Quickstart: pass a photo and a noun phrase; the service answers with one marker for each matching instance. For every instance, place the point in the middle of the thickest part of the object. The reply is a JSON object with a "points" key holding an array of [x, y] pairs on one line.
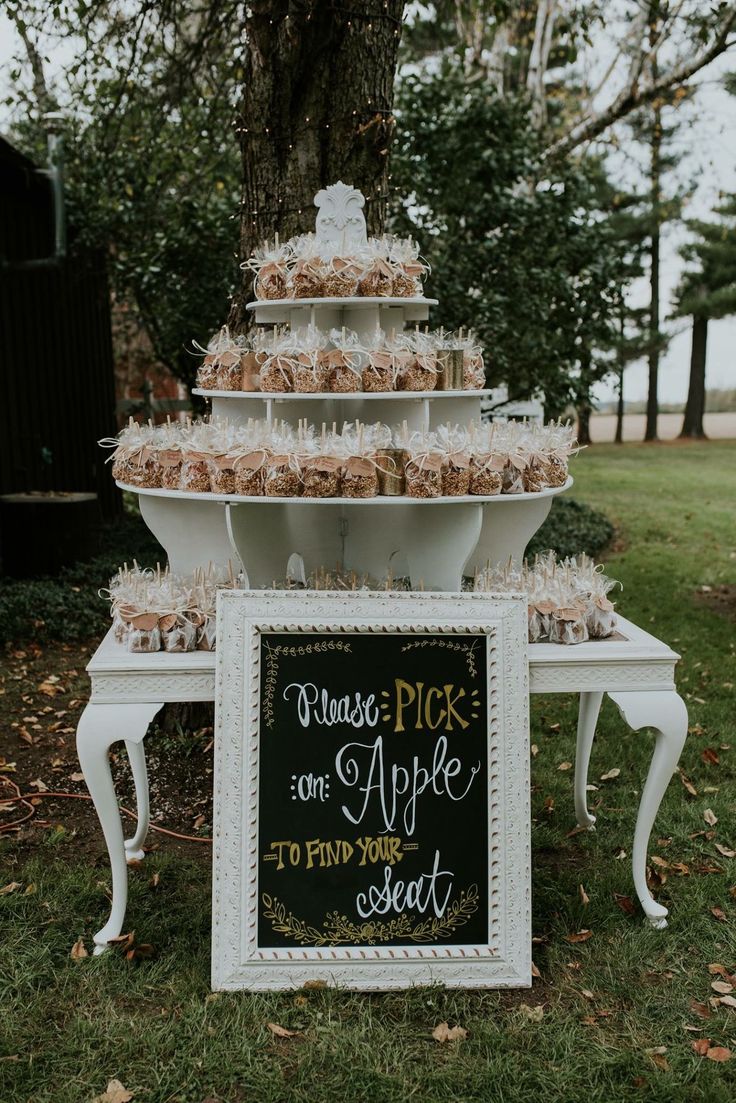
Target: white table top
{"points": [[632, 660]]}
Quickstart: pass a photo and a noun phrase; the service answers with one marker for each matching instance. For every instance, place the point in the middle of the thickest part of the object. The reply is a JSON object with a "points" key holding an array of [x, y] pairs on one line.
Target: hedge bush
{"points": [[67, 607], [571, 528]]}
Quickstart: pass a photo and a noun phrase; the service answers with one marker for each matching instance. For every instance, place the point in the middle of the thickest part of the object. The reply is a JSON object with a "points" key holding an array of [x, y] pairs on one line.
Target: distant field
{"points": [[603, 426]]}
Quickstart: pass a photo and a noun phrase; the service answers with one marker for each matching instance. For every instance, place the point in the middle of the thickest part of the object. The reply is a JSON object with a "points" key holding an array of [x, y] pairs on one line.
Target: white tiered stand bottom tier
{"points": [[433, 541]]}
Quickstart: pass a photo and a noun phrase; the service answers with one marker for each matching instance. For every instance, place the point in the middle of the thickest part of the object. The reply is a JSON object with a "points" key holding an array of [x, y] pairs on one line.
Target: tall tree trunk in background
{"points": [[692, 423], [584, 413], [619, 438], [655, 171], [317, 100]]}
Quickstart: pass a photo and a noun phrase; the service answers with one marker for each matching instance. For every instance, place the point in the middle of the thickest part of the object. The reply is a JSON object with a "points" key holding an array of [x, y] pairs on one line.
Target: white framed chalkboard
{"points": [[372, 824]]}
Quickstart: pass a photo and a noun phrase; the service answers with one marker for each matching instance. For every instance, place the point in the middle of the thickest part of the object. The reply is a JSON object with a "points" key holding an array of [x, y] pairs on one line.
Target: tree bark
{"points": [[619, 438], [655, 200], [692, 423], [317, 108], [584, 413]]}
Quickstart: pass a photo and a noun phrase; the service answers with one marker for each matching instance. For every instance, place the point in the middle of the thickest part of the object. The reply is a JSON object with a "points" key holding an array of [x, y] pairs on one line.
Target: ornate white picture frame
{"points": [[248, 766]]}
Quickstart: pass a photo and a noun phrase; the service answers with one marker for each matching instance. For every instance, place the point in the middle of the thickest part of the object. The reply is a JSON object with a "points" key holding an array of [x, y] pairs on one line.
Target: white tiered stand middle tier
{"points": [[433, 541]]}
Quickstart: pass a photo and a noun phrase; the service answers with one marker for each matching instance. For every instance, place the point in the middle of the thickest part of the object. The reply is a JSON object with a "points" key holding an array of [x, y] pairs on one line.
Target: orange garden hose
{"points": [[28, 798]]}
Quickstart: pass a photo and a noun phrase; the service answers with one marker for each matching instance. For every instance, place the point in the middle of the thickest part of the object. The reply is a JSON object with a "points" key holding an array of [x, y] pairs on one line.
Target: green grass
{"points": [[67, 1027]]}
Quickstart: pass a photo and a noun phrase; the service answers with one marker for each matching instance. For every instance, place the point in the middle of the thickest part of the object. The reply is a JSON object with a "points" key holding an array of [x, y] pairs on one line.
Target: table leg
{"points": [[99, 727], [590, 705], [134, 851], [665, 711]]}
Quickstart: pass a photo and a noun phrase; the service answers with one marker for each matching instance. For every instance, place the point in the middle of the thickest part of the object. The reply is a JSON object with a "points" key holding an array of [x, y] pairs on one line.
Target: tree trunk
{"points": [[317, 108], [584, 413], [692, 423], [655, 199], [619, 438]]}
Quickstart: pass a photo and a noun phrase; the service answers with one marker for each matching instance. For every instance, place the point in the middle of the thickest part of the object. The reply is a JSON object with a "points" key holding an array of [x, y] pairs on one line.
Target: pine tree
{"points": [[707, 291]]}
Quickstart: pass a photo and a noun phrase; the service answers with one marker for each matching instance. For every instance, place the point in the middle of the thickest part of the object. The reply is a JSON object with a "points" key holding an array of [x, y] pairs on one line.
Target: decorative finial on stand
{"points": [[340, 226]]}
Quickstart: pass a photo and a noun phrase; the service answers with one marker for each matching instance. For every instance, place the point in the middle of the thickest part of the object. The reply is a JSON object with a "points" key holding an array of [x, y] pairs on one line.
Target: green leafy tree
{"points": [[707, 291], [152, 172], [522, 253]]}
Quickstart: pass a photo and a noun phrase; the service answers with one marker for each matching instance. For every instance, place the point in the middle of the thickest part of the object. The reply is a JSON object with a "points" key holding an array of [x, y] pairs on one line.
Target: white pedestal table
{"points": [[635, 669]]}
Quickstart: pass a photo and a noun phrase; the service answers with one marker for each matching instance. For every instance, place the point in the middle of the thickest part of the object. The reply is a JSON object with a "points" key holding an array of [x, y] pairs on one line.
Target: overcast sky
{"points": [[708, 139]]}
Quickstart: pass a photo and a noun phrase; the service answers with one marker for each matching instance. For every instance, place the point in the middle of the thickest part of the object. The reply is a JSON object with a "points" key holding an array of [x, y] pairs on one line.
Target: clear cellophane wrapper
{"points": [[567, 625], [408, 268], [377, 275], [197, 451], [251, 456], [271, 267], [423, 469], [380, 367], [559, 444], [310, 368], [345, 360], [308, 269], [321, 465], [486, 465], [342, 276], [360, 446], [453, 441], [535, 472], [474, 370], [283, 468], [419, 372], [276, 373], [178, 633]]}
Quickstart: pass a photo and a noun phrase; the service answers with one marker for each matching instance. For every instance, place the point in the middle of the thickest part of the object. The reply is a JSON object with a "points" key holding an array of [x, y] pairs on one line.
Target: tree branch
{"points": [[634, 95]]}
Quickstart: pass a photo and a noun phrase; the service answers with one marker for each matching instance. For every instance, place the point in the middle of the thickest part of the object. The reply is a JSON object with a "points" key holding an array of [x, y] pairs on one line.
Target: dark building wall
{"points": [[56, 365]]}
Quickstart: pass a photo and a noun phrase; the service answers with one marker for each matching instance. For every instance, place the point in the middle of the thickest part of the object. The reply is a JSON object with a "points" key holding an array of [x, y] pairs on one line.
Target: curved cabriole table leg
{"points": [[137, 757], [590, 706], [99, 727], [667, 714]]}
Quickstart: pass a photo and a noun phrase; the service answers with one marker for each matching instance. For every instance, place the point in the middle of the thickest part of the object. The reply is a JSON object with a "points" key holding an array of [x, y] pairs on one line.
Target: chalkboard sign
{"points": [[371, 813]]}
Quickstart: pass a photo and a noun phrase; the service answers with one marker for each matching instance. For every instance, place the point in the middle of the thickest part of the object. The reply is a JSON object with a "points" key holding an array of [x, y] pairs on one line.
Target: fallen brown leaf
{"points": [[687, 784], [114, 1093], [700, 1046], [610, 774], [727, 1001], [316, 983], [12, 886], [154, 881], [725, 851], [30, 889], [565, 766], [444, 1033], [625, 903], [40, 785], [710, 817], [719, 914], [710, 757], [281, 1031], [535, 972], [78, 950], [718, 1053], [584, 898], [533, 1014], [25, 735], [78, 776], [700, 1009], [579, 936], [722, 987]]}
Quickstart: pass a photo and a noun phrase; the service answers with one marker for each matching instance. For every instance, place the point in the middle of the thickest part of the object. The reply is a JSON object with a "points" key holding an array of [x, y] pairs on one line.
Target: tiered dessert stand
{"points": [[434, 541]]}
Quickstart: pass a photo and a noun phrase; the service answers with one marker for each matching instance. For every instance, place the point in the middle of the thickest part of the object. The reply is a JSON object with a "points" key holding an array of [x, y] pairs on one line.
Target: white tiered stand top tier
{"points": [[433, 546]]}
